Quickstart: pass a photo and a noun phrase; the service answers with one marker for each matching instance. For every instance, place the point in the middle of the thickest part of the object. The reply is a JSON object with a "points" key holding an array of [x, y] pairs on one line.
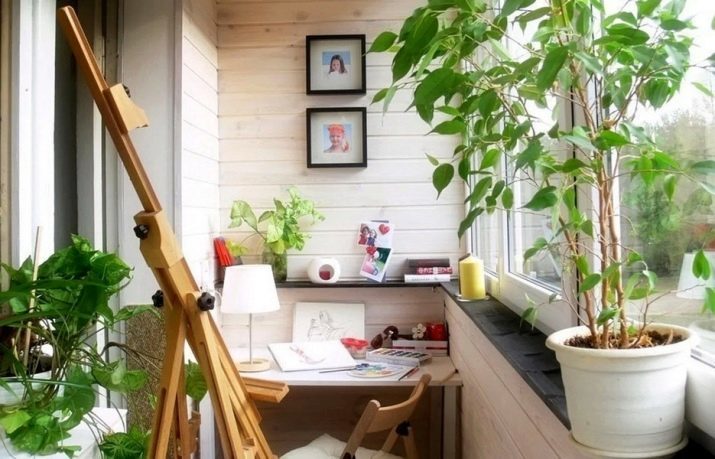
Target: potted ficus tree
{"points": [[487, 70], [61, 311], [279, 229]]}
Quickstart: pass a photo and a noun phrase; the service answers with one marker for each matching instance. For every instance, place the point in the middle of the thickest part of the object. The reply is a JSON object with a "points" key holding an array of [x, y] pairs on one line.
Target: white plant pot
{"points": [[13, 394], [625, 402]]}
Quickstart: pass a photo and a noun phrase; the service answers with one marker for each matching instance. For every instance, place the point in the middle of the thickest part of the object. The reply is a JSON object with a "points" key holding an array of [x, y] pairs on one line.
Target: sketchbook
{"points": [[311, 355]]}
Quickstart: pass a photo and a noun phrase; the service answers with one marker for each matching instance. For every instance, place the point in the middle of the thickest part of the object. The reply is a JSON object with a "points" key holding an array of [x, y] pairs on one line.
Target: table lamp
{"points": [[249, 289]]}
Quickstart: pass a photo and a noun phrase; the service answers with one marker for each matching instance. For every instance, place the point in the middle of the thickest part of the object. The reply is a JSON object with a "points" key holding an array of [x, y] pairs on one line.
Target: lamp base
{"points": [[254, 365]]}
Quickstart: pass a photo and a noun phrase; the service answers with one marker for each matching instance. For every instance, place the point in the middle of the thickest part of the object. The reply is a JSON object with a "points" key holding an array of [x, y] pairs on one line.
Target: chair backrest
{"points": [[395, 417]]}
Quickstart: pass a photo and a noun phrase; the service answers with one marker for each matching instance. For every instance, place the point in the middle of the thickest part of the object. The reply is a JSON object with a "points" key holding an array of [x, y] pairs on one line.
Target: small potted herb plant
{"points": [[279, 229]]}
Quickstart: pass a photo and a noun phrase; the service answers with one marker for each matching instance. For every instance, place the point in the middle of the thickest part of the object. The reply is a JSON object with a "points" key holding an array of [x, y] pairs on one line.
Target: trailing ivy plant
{"points": [[454, 55], [61, 313]]}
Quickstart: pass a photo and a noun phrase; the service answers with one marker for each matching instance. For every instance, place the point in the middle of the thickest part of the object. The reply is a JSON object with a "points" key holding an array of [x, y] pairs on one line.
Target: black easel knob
{"points": [[206, 301], [141, 231], [158, 299]]}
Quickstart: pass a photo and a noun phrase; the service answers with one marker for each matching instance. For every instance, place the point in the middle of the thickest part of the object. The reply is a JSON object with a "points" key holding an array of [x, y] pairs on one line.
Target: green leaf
{"points": [[434, 85], [401, 64], [529, 315], [609, 139], [704, 89], [491, 157], [703, 167], [442, 176], [125, 445], [572, 164], [434, 161], [507, 198], [543, 199], [530, 155], [701, 266], [539, 244], [589, 61], [709, 304], [450, 127], [510, 6], [13, 420], [669, 183], [589, 282], [646, 7], [553, 62], [468, 221], [480, 190], [582, 265], [606, 315], [383, 42], [196, 387]]}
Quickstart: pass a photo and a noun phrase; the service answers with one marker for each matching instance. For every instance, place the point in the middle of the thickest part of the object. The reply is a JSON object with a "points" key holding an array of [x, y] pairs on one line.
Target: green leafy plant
{"points": [[280, 228], [607, 65], [61, 312]]}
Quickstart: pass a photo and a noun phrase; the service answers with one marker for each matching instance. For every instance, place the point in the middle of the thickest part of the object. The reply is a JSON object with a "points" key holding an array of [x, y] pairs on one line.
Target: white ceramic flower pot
{"points": [[625, 403], [12, 395]]}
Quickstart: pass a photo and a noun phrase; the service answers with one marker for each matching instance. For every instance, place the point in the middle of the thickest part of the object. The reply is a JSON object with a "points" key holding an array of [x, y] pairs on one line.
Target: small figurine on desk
{"points": [[385, 338]]}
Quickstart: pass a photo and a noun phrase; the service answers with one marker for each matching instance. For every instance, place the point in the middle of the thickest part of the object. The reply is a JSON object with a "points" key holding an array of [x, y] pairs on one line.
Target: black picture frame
{"points": [[346, 53], [336, 137]]}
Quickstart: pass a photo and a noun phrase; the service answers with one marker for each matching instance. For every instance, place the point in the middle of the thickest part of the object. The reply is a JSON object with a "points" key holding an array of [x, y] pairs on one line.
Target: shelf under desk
{"points": [[445, 380]]}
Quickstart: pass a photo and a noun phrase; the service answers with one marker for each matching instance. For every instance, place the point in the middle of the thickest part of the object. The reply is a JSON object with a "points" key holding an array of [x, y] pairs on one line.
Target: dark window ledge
{"points": [[526, 351]]}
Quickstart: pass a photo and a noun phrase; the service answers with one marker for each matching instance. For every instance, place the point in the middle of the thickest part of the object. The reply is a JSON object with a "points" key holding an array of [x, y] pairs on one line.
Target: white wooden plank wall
{"points": [[501, 415], [199, 137], [398, 306], [262, 103]]}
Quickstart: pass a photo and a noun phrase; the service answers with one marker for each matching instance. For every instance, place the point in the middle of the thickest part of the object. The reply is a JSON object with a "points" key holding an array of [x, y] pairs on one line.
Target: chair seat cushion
{"points": [[327, 447]]}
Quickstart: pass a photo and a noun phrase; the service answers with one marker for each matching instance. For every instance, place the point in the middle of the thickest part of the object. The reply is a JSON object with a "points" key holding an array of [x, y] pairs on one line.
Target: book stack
{"points": [[427, 270]]}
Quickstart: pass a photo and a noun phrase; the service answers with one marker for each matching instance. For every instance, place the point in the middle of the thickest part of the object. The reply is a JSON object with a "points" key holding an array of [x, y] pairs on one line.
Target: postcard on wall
{"points": [[374, 265], [376, 233], [321, 355], [375, 237], [328, 321]]}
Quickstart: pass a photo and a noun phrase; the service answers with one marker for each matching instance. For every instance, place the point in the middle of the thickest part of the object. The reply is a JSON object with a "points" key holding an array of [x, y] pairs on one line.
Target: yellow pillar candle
{"points": [[471, 279]]}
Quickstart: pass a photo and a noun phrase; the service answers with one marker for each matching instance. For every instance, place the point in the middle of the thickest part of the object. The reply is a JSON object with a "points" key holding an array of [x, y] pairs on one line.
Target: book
{"points": [[427, 278], [397, 357], [311, 355], [427, 262], [431, 270]]}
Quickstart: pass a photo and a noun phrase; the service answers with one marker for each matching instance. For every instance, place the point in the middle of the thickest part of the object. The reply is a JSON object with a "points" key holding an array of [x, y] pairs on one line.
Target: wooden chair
{"points": [[374, 419]]}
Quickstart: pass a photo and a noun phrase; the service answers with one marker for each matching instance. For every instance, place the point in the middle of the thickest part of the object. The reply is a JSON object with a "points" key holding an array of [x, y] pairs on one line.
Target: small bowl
{"points": [[356, 347]]}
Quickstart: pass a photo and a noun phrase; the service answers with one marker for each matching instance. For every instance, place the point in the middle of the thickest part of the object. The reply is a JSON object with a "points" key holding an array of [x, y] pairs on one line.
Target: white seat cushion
{"points": [[327, 447]]}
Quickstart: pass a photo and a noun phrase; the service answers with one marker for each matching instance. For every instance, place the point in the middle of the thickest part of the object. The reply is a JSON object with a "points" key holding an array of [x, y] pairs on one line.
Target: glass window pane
{"points": [[665, 232]]}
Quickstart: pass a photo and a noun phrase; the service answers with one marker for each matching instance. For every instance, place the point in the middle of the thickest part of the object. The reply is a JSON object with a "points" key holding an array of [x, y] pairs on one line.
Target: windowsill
{"points": [[526, 351]]}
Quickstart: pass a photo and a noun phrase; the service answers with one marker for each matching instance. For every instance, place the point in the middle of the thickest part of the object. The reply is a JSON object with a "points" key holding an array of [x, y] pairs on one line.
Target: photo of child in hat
{"points": [[337, 138]]}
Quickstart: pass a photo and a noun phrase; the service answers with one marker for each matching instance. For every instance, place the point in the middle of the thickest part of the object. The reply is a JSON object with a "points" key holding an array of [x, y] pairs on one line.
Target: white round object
{"points": [[625, 400], [324, 271]]}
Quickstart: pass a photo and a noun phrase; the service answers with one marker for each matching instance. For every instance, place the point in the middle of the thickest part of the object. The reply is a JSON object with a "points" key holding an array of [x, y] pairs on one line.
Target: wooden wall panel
{"points": [[401, 307], [262, 131], [199, 137], [501, 415]]}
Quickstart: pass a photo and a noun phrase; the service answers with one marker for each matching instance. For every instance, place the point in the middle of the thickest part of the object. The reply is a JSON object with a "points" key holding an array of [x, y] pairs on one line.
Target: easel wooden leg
{"points": [[169, 382]]}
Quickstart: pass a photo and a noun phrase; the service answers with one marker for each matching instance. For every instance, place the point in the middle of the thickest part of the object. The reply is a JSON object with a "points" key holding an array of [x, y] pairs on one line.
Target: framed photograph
{"points": [[328, 321], [337, 137], [335, 64]]}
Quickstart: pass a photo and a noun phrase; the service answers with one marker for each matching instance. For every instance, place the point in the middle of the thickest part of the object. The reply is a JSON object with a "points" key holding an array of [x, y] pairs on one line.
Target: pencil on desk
{"points": [[409, 372]]}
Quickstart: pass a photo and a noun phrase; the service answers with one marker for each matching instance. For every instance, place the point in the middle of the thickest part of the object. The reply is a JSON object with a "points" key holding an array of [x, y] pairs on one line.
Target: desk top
{"points": [[441, 368]]}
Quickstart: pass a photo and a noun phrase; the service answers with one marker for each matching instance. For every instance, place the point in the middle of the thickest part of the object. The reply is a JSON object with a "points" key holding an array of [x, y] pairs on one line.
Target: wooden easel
{"points": [[185, 309]]}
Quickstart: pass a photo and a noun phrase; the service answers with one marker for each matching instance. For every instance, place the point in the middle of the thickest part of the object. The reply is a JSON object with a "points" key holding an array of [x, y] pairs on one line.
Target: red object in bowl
{"points": [[356, 346], [325, 274]]}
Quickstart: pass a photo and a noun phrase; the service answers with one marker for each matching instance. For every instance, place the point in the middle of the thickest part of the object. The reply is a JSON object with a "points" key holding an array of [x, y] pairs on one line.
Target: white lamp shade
{"points": [[249, 289]]}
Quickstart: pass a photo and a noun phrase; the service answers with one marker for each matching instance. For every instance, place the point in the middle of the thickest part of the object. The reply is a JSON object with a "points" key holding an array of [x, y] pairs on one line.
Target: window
{"points": [[664, 232]]}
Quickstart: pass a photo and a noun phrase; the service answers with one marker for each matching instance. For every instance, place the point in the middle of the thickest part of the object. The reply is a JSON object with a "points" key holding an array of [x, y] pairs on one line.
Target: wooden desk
{"points": [[445, 380]]}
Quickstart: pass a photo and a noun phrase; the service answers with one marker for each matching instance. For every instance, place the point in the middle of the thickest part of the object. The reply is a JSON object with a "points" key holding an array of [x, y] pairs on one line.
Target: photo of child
{"points": [[375, 263], [376, 238]]}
